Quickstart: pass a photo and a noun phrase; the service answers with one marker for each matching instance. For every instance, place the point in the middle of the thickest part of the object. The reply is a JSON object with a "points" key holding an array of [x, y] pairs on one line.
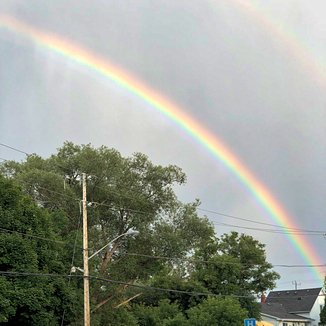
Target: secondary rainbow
{"points": [[179, 117], [286, 38]]}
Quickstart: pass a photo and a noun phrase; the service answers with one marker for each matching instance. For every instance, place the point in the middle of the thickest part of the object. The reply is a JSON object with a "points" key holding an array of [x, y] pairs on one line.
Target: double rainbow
{"points": [[180, 118]]}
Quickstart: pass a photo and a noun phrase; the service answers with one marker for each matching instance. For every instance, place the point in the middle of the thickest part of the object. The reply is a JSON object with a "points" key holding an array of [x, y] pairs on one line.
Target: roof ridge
{"points": [[293, 290]]}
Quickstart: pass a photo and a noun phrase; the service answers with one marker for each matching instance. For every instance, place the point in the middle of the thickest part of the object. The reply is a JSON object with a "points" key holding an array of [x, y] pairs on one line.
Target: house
{"points": [[293, 307]]}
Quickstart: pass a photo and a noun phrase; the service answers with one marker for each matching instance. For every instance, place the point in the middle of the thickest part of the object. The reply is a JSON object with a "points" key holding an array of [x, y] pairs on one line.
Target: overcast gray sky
{"points": [[224, 65]]}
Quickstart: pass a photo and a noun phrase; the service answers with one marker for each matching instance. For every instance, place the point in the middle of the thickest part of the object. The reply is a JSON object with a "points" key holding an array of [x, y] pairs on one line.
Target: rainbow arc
{"points": [[176, 114]]}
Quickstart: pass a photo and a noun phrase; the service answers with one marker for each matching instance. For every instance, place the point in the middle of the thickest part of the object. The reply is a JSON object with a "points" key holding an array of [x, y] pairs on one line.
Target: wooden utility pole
{"points": [[295, 283], [85, 246]]}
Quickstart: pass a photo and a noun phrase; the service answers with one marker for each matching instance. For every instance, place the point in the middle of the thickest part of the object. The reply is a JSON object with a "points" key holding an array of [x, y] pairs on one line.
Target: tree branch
{"points": [[122, 303], [103, 302], [130, 282], [111, 296], [107, 257]]}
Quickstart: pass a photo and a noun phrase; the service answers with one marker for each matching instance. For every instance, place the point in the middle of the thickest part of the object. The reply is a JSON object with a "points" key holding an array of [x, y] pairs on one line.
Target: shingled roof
{"points": [[277, 310], [295, 301]]}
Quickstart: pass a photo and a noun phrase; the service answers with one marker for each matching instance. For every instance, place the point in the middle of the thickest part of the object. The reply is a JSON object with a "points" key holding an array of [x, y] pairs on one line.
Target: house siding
{"points": [[315, 311]]}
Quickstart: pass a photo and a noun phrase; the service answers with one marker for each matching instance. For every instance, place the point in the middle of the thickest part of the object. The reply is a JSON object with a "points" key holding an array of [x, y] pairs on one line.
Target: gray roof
{"points": [[295, 300], [277, 310]]}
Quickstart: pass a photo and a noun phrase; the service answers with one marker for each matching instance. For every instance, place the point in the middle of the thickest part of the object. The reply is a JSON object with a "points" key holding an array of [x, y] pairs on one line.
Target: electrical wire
{"points": [[217, 262], [304, 232], [230, 216], [18, 150], [251, 221], [290, 231], [58, 193], [37, 237], [136, 285], [270, 230], [123, 283], [278, 231], [15, 149], [162, 257], [282, 230]]}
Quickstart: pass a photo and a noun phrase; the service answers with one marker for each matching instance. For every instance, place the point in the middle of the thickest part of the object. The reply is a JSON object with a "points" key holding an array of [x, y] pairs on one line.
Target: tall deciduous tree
{"points": [[236, 264], [30, 300], [217, 312], [123, 193]]}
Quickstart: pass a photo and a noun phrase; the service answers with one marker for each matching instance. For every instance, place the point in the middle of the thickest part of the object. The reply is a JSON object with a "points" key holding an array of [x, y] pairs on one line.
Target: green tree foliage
{"points": [[253, 275], [257, 273], [30, 300], [165, 313], [124, 193], [236, 265], [174, 279], [217, 312]]}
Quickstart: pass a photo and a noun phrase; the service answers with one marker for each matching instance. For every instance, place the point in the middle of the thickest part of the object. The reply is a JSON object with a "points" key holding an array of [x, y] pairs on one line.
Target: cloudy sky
{"points": [[251, 72]]}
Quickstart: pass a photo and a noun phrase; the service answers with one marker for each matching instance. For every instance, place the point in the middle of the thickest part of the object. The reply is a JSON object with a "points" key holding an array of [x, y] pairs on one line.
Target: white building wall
{"points": [[315, 311], [294, 324]]}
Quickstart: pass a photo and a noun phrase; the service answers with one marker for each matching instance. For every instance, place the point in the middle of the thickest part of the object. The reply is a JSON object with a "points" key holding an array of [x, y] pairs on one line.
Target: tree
{"points": [[217, 312], [173, 278], [257, 273], [30, 300], [236, 265], [124, 193], [165, 313]]}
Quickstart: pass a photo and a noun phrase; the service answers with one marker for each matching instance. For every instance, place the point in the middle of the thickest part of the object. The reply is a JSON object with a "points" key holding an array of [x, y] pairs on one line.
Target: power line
{"points": [[20, 151], [221, 214], [15, 149], [162, 257], [136, 285], [217, 262], [294, 231], [37, 237], [123, 283], [283, 229], [251, 221], [316, 233], [307, 232], [304, 232], [290, 231], [208, 211]]}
